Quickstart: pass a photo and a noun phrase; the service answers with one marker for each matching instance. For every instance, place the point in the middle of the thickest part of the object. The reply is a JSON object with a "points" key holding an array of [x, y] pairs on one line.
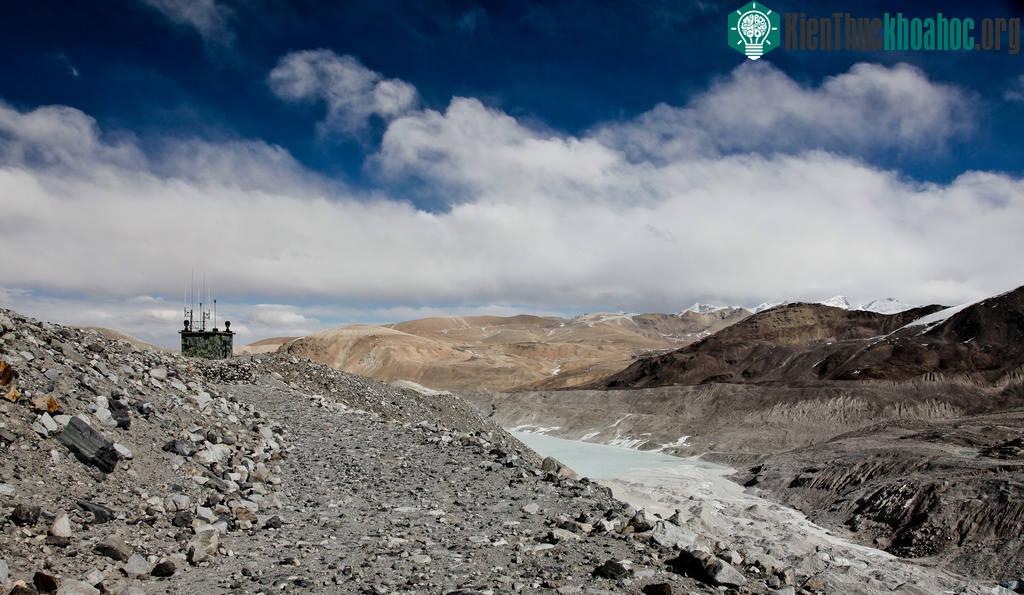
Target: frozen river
{"points": [[720, 509], [597, 461]]}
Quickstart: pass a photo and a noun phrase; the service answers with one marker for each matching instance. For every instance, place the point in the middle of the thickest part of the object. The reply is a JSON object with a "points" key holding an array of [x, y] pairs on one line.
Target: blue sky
{"points": [[382, 160]]}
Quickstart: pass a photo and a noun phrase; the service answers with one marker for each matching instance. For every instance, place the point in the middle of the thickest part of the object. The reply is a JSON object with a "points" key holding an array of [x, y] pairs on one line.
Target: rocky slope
{"points": [[127, 471], [504, 353], [809, 343], [785, 344], [946, 489]]}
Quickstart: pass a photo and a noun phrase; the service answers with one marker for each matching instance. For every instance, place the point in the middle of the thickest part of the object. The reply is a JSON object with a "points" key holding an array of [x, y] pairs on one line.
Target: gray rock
{"points": [[214, 453], [101, 514], [24, 515], [202, 546], [123, 451], [670, 535], [164, 568], [720, 572], [643, 521], [52, 427], [114, 548], [560, 535], [158, 373], [105, 418], [89, 445], [136, 566], [61, 526], [531, 508], [202, 400], [553, 465], [73, 587], [612, 569]]}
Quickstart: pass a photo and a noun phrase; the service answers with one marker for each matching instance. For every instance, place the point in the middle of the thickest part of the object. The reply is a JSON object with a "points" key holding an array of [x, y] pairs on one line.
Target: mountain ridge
{"points": [[805, 343]]}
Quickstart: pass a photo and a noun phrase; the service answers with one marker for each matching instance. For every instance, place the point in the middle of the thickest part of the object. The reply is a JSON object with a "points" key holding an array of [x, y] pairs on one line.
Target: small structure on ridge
{"points": [[196, 340]]}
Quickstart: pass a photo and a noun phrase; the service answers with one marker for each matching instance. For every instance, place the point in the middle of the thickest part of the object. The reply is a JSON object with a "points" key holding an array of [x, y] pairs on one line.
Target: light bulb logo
{"points": [[754, 30]]}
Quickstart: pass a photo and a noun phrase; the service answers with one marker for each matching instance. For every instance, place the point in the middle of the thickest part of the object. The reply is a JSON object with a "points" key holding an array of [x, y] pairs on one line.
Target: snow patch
{"points": [[838, 301], [532, 429], [885, 306], [679, 443], [766, 306], [699, 308], [627, 442]]}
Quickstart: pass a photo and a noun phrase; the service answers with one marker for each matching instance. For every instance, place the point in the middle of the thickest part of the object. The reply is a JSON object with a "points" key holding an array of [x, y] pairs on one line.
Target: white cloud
{"points": [[351, 92], [541, 220], [758, 108], [61, 137], [209, 17], [1015, 90]]}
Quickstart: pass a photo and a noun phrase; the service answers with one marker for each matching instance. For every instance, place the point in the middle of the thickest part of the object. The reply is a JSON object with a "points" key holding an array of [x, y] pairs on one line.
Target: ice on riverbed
{"points": [[533, 429], [679, 443], [719, 509]]}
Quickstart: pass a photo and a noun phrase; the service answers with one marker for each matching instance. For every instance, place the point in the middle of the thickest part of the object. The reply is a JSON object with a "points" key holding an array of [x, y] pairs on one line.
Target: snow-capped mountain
{"points": [[838, 301], [766, 306], [885, 306], [699, 308], [880, 306]]}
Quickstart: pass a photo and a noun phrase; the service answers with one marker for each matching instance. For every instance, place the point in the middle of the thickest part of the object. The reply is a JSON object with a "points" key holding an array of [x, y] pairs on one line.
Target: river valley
{"points": [[717, 509]]}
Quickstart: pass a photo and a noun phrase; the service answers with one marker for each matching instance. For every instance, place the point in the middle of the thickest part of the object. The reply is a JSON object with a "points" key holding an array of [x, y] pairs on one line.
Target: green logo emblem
{"points": [[754, 30]]}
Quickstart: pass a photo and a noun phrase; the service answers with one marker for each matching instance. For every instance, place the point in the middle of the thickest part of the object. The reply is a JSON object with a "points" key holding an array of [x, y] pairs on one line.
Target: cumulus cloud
{"points": [[541, 220], [59, 137], [351, 92], [759, 108], [211, 19]]}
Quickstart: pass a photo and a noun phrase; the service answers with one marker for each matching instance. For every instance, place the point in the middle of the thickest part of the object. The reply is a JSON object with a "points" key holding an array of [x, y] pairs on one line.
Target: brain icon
{"points": [[753, 25]]}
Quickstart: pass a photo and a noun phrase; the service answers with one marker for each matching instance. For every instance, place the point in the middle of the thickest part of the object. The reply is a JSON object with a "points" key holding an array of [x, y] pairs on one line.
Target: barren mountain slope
{"points": [[507, 353], [806, 343], [119, 336], [783, 344], [268, 345], [388, 354], [983, 341]]}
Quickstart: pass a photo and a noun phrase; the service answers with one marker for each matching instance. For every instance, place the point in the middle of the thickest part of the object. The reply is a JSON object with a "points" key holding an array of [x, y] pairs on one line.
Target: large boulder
{"points": [[554, 466], [670, 535], [89, 445], [643, 521], [701, 565]]}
